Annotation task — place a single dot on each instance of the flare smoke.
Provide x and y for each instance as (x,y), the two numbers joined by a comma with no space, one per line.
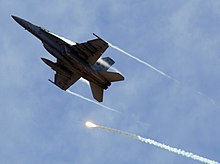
(155,143)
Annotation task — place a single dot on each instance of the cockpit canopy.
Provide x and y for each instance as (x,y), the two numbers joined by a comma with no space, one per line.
(44,29)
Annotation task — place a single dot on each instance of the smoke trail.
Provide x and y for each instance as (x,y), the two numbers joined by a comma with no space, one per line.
(155,143)
(177,151)
(143,62)
(89,100)
(162,73)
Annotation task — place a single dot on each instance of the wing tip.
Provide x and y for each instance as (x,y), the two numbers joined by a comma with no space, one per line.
(100,38)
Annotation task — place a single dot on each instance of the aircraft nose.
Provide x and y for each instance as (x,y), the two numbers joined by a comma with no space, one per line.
(18,20)
(14,17)
(22,22)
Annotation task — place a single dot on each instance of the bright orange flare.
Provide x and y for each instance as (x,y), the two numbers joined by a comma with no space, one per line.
(90,124)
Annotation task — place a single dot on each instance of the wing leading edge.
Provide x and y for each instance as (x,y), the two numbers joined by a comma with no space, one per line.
(65,79)
(64,82)
(91,49)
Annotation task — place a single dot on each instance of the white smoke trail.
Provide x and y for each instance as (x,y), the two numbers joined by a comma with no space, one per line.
(143,62)
(89,100)
(162,73)
(155,143)
(177,151)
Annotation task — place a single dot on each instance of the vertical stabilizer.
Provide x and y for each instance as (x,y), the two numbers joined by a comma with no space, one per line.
(104,63)
(97,92)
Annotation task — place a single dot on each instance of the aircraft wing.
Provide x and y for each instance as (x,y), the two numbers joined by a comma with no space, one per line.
(91,49)
(63,81)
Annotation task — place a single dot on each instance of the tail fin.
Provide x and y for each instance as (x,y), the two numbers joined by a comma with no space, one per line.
(97,92)
(112,76)
(104,63)
(109,61)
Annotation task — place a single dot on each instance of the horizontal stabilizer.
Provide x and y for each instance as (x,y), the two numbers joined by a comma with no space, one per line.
(97,92)
(112,76)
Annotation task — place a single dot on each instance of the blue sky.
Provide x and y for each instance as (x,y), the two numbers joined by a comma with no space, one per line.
(39,123)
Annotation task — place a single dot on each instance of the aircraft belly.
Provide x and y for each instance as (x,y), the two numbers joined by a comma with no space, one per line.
(97,79)
(75,60)
(74,63)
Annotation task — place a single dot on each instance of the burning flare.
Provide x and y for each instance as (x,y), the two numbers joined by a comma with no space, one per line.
(90,124)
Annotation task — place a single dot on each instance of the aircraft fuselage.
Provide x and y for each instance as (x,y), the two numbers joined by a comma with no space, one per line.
(61,49)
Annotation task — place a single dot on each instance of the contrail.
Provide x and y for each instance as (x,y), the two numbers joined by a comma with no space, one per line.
(89,100)
(143,62)
(162,73)
(155,143)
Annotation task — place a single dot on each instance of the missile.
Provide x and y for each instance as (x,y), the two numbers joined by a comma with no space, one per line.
(57,55)
(54,52)
(49,63)
(56,67)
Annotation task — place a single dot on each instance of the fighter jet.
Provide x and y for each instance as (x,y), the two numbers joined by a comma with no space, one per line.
(75,60)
